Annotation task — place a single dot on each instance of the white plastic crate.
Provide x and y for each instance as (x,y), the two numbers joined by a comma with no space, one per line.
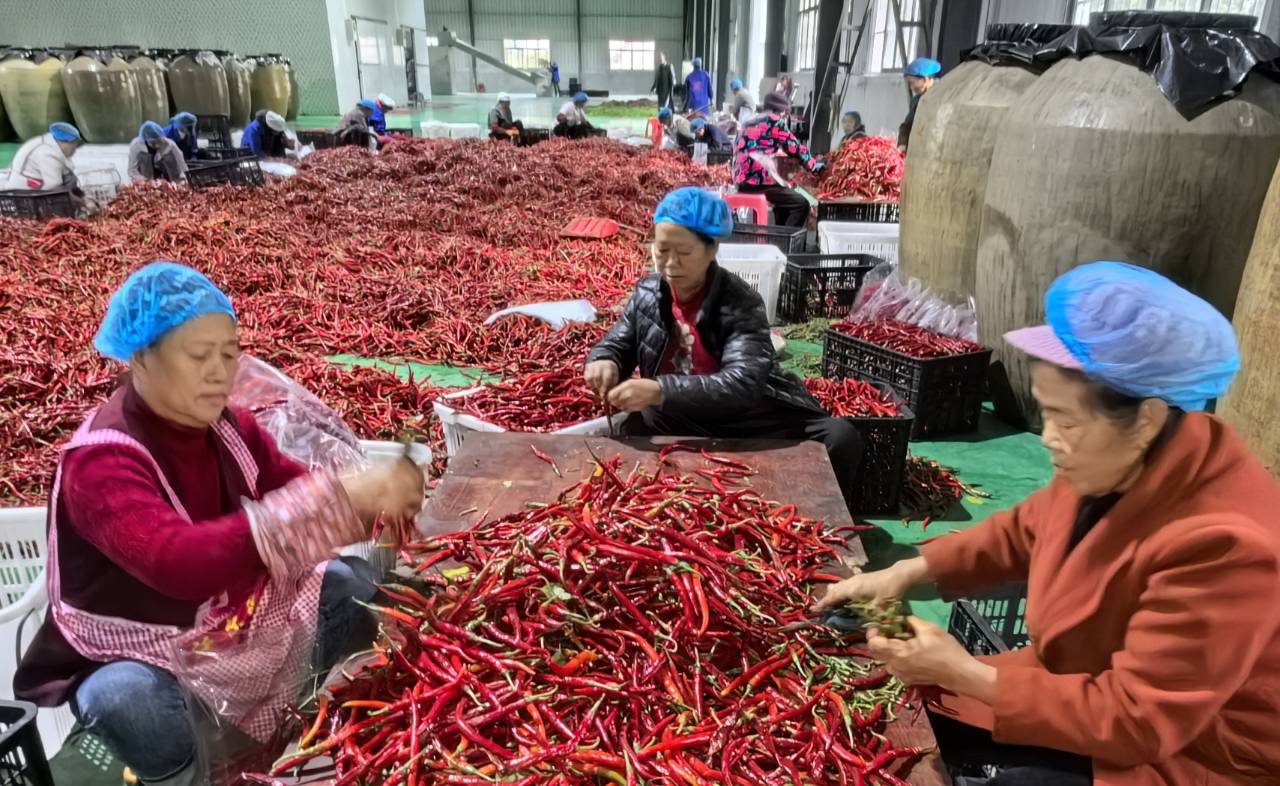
(758,264)
(383,559)
(434,130)
(617,133)
(464,130)
(457,425)
(855,237)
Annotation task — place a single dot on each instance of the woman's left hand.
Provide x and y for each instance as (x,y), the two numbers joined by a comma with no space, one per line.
(933,657)
(636,394)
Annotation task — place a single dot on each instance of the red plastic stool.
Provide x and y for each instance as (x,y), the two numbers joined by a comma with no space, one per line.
(756,203)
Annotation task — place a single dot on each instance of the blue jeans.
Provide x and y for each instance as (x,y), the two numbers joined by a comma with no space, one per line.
(141,712)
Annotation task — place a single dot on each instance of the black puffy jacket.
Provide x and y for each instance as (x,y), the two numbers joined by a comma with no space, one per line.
(733,329)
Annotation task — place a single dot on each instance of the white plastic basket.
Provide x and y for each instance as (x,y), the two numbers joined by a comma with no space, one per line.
(383,559)
(457,425)
(617,133)
(434,130)
(857,237)
(464,130)
(758,264)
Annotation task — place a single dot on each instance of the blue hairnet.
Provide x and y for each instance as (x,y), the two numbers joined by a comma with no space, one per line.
(367,103)
(184,119)
(924,66)
(1142,334)
(735,84)
(697,124)
(153,301)
(664,113)
(697,210)
(151,131)
(64,132)
(697,62)
(579,98)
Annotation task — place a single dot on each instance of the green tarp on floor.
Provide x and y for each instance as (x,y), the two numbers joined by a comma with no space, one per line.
(438,375)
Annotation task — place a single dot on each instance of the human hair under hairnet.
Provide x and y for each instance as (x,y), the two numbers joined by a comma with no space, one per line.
(153,301)
(697,210)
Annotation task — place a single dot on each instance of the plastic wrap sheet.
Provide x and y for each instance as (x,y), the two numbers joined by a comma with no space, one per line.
(886,296)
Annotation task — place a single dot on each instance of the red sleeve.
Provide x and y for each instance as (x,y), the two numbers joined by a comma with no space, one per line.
(996,551)
(275,469)
(113,500)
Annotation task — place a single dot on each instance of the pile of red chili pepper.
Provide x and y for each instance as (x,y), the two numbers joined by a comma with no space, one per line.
(852,398)
(909,339)
(869,169)
(396,256)
(929,489)
(647,626)
(541,402)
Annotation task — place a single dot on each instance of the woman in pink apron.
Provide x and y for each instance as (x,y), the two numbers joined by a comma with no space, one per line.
(187,556)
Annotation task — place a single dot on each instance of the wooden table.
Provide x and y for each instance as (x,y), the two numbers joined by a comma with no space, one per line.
(497,474)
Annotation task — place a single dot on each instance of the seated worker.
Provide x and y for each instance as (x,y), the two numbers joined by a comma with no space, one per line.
(43,163)
(1151,562)
(769,136)
(154,156)
(699,337)
(176,522)
(267,137)
(353,129)
(709,134)
(676,127)
(182,130)
(378,120)
(571,120)
(852,126)
(502,125)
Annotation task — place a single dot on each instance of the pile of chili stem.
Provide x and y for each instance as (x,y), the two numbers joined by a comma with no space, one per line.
(398,256)
(909,339)
(852,398)
(646,626)
(868,169)
(930,490)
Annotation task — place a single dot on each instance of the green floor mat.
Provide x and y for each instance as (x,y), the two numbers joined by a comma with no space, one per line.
(438,375)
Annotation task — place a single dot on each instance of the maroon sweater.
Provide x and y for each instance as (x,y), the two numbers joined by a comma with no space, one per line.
(124,551)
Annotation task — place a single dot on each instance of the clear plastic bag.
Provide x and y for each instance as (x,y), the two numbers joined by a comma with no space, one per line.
(885,296)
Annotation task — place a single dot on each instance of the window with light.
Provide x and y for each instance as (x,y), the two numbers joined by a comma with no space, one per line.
(1083,8)
(631,55)
(886,54)
(526,53)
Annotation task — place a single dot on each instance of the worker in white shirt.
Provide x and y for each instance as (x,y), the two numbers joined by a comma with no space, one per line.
(572,121)
(44,162)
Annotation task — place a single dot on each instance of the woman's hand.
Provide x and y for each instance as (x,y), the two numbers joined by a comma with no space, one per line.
(392,489)
(933,657)
(636,394)
(879,586)
(601,376)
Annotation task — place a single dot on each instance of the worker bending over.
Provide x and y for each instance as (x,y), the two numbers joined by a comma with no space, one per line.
(1151,561)
(381,107)
(502,125)
(182,131)
(154,156)
(571,120)
(676,127)
(43,163)
(852,126)
(267,136)
(920,75)
(353,129)
(699,337)
(709,134)
(744,104)
(762,140)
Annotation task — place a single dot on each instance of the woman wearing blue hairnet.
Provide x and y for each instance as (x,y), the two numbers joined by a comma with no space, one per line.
(153,156)
(699,337)
(920,75)
(43,163)
(571,120)
(353,129)
(1152,562)
(182,131)
(176,526)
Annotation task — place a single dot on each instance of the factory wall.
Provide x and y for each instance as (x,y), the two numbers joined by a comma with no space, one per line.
(297,29)
(558,21)
(381,20)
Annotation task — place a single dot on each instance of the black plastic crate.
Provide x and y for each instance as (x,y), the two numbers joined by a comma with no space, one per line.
(319,138)
(215,128)
(846,210)
(944,393)
(597,132)
(993,623)
(532,136)
(821,285)
(22,203)
(235,172)
(790,240)
(719,157)
(884,458)
(22,761)
(219,153)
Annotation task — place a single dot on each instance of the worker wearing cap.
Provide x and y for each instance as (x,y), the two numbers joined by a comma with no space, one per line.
(353,129)
(664,81)
(502,125)
(697,90)
(154,156)
(921,73)
(851,124)
(43,163)
(709,134)
(267,136)
(1152,561)
(676,127)
(378,120)
(744,104)
(571,120)
(182,130)
(763,140)
(699,338)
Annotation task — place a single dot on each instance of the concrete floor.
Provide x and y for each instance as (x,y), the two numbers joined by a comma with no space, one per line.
(534,111)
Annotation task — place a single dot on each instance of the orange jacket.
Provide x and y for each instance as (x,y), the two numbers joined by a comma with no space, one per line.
(1155,643)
